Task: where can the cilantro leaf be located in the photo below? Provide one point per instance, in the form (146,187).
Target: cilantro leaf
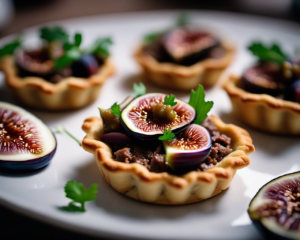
(77,39)
(71,55)
(61,129)
(71,208)
(198,103)
(115,110)
(139,89)
(170,100)
(100,46)
(9,48)
(271,54)
(76,192)
(168,135)
(183,19)
(53,34)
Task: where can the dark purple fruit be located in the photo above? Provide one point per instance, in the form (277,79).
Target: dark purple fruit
(85,67)
(140,120)
(189,149)
(187,43)
(263,79)
(275,209)
(292,92)
(116,139)
(25,142)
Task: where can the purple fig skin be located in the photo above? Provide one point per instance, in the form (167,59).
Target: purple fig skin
(29,165)
(115,138)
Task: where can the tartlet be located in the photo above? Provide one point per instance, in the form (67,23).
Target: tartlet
(262,111)
(205,72)
(135,181)
(70,93)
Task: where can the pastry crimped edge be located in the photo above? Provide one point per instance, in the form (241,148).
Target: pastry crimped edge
(135,181)
(70,93)
(262,111)
(206,72)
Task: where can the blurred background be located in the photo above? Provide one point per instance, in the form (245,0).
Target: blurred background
(15,15)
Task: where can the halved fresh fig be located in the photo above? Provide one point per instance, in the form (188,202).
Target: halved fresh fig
(188,42)
(116,140)
(112,122)
(139,121)
(275,209)
(263,79)
(189,149)
(26,143)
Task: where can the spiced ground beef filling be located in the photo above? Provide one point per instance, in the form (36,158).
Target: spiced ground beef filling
(152,155)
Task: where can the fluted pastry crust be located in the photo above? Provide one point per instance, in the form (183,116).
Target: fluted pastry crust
(206,72)
(135,181)
(262,111)
(70,93)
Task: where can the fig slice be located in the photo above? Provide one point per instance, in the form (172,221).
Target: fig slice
(26,143)
(275,209)
(188,42)
(139,122)
(189,149)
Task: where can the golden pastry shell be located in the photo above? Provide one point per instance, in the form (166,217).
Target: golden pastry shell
(135,181)
(206,72)
(263,112)
(70,93)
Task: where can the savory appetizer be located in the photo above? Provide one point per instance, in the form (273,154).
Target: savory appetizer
(275,209)
(159,149)
(267,96)
(58,75)
(184,56)
(26,143)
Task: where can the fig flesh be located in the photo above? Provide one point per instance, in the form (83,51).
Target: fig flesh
(188,43)
(263,79)
(138,121)
(275,209)
(189,149)
(26,143)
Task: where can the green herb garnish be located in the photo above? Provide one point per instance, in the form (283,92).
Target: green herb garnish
(271,54)
(115,110)
(139,89)
(198,103)
(76,192)
(183,19)
(61,129)
(100,46)
(151,37)
(51,34)
(168,135)
(170,100)
(77,39)
(9,48)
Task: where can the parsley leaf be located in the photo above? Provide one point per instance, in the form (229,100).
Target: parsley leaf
(139,89)
(100,46)
(53,34)
(271,54)
(61,129)
(168,135)
(77,39)
(198,103)
(76,192)
(115,110)
(151,37)
(9,48)
(170,100)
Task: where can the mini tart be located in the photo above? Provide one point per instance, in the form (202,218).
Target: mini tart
(70,93)
(135,181)
(262,111)
(175,76)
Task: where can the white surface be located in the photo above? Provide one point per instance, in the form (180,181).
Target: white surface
(39,195)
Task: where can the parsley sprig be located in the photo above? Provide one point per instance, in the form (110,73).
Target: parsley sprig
(51,34)
(199,104)
(100,46)
(116,110)
(62,129)
(170,100)
(80,195)
(168,135)
(9,48)
(269,54)
(139,89)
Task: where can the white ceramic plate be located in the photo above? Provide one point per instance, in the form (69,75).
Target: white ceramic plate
(39,195)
